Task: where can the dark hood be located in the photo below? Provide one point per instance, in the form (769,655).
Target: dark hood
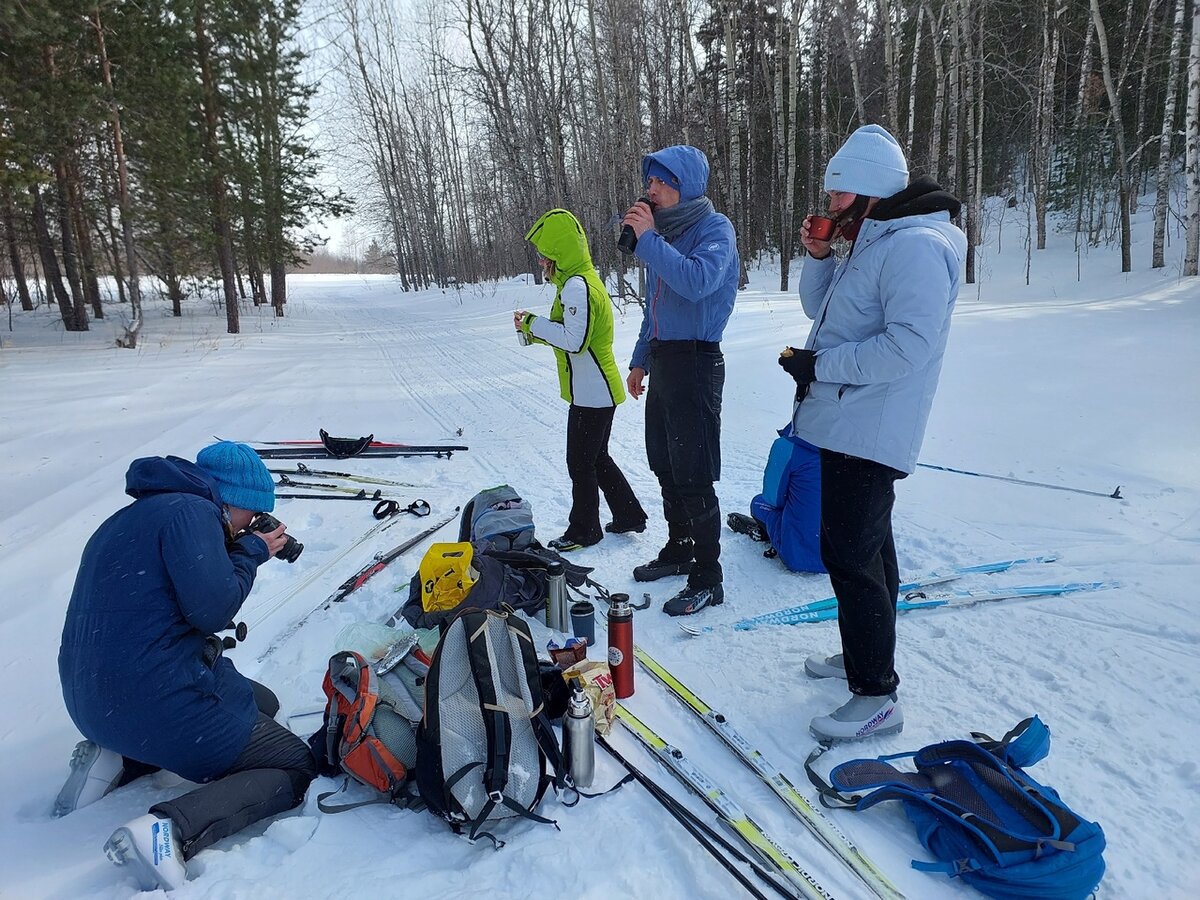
(168,475)
(921,197)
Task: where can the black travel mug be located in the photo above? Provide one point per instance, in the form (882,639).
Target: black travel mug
(583,621)
(627,242)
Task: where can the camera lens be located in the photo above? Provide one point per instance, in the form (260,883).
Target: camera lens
(291,549)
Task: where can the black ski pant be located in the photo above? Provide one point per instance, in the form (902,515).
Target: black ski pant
(269,777)
(683,445)
(858,550)
(592,470)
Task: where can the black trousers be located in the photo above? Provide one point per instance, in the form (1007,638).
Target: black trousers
(857,548)
(592,470)
(683,445)
(269,777)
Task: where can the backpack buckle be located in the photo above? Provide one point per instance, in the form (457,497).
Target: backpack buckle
(496,796)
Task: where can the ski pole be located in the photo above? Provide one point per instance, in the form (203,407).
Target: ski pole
(706,836)
(1115,495)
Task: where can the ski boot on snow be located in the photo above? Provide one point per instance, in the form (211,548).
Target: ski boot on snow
(859,718)
(740,523)
(673,559)
(148,847)
(693,599)
(817,666)
(94,773)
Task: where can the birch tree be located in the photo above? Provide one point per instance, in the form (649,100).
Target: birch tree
(1166,133)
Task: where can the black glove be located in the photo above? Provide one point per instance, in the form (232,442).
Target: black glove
(801,365)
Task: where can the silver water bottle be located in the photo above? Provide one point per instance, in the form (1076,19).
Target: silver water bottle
(558,615)
(579,737)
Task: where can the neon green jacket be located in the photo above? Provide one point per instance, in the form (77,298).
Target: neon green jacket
(580,325)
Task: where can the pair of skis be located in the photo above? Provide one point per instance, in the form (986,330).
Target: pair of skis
(304,471)
(766,847)
(916,595)
(355,581)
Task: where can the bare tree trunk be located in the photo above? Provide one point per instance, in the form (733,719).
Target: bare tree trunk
(738,209)
(14,252)
(1052,12)
(87,257)
(1118,133)
(851,47)
(1137,175)
(954,126)
(966,15)
(70,253)
(54,283)
(891,65)
(787,238)
(1163,180)
(939,99)
(216,179)
(1085,73)
(1191,255)
(910,130)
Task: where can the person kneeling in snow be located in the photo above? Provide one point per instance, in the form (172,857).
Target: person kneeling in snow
(141,674)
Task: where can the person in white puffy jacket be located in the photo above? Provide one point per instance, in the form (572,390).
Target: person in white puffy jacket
(865,383)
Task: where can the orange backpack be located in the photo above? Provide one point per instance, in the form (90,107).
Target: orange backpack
(367,733)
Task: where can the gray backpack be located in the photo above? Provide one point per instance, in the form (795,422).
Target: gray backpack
(484,743)
(497,518)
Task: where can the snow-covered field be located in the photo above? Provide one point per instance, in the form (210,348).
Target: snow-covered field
(1089,384)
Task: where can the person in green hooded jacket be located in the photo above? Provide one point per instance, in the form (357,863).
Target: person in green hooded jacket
(580,329)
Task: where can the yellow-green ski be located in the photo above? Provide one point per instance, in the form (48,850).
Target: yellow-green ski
(821,827)
(734,816)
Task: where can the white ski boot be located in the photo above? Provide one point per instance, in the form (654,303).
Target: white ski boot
(147,845)
(817,666)
(94,772)
(859,718)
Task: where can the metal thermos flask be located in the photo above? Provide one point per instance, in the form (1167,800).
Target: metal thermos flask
(558,617)
(620,644)
(579,737)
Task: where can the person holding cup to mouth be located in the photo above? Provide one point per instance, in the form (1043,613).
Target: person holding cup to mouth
(865,381)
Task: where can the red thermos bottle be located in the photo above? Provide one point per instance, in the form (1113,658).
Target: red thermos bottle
(620,644)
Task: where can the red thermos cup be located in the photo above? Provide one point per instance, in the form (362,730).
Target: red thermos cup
(620,645)
(820,228)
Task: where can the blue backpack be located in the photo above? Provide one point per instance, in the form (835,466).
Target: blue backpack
(978,812)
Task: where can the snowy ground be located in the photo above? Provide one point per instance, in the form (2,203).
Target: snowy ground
(1087,384)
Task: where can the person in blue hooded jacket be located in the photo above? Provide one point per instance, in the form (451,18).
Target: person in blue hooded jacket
(865,381)
(691,258)
(142,675)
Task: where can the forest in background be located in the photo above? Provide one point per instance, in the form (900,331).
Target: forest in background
(176,139)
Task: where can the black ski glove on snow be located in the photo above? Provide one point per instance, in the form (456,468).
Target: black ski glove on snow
(801,365)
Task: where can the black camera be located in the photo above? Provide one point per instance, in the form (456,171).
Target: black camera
(627,242)
(291,549)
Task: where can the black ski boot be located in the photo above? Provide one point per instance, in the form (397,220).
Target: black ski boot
(749,526)
(693,599)
(673,559)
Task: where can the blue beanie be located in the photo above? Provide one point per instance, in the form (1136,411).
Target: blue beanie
(241,476)
(870,164)
(657,170)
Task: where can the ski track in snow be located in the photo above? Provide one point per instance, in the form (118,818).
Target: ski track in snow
(1114,673)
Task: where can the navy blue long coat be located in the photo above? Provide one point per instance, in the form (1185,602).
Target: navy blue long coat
(154,580)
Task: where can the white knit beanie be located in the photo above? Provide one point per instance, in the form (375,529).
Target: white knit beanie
(870,163)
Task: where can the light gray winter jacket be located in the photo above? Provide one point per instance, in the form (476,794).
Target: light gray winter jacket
(881,318)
